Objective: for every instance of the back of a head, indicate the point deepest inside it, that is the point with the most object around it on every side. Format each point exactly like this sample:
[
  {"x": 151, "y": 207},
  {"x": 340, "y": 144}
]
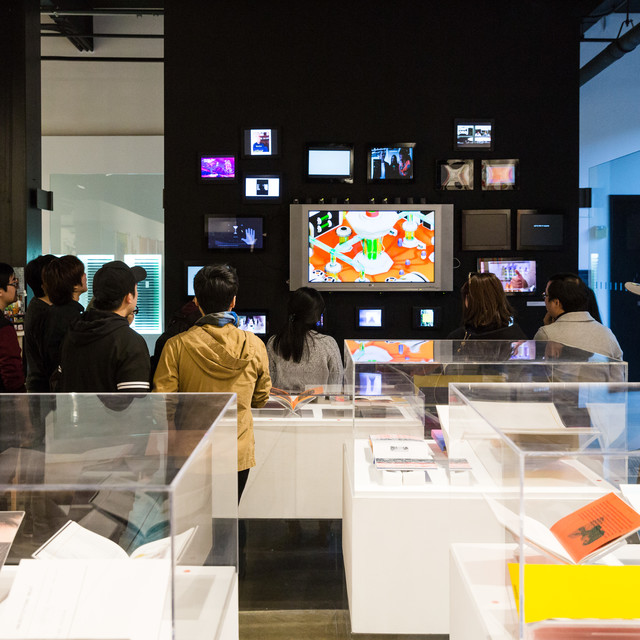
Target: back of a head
[
  {"x": 33, "y": 273},
  {"x": 215, "y": 286},
  {"x": 570, "y": 290},
  {"x": 60, "y": 277},
  {"x": 484, "y": 303},
  {"x": 112, "y": 282},
  {"x": 6, "y": 271}
]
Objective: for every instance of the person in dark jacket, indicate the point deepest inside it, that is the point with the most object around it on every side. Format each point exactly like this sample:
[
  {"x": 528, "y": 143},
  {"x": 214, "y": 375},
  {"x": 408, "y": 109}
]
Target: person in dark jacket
[
  {"x": 486, "y": 314},
  {"x": 11, "y": 371},
  {"x": 101, "y": 352}
]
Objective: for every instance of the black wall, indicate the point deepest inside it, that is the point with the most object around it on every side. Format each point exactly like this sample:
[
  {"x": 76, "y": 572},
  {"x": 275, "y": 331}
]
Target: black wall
[{"x": 360, "y": 73}]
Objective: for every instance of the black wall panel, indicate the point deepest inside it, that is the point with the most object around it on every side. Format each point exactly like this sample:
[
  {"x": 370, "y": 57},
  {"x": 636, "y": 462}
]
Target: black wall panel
[{"x": 360, "y": 73}]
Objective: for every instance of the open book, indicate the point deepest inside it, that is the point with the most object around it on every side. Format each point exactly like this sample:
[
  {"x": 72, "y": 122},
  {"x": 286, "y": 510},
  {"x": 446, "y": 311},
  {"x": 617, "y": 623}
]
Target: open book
[
  {"x": 401, "y": 452},
  {"x": 73, "y": 541},
  {"x": 580, "y": 537},
  {"x": 293, "y": 402}
]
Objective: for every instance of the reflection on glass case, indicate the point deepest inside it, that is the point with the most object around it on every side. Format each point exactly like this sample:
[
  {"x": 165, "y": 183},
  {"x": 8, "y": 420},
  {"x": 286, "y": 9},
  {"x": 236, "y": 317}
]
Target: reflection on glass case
[{"x": 122, "y": 513}]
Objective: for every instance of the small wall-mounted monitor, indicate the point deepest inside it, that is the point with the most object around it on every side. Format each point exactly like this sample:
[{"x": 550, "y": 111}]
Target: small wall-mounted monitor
[
  {"x": 369, "y": 384},
  {"x": 262, "y": 188},
  {"x": 486, "y": 229},
  {"x": 515, "y": 274},
  {"x": 500, "y": 175},
  {"x": 473, "y": 133},
  {"x": 330, "y": 162},
  {"x": 370, "y": 317},
  {"x": 390, "y": 162},
  {"x": 426, "y": 317},
  {"x": 191, "y": 274},
  {"x": 233, "y": 233},
  {"x": 254, "y": 321},
  {"x": 216, "y": 168},
  {"x": 260, "y": 142},
  {"x": 540, "y": 231}
]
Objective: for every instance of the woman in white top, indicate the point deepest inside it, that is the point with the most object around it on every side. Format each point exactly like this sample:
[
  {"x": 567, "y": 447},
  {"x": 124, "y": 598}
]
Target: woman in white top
[{"x": 299, "y": 356}]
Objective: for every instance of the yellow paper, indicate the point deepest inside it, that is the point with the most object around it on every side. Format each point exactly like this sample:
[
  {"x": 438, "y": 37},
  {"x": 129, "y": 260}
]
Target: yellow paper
[{"x": 578, "y": 591}]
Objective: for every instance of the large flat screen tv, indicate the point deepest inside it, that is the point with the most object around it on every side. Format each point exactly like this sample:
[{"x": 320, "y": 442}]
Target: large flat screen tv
[{"x": 372, "y": 247}]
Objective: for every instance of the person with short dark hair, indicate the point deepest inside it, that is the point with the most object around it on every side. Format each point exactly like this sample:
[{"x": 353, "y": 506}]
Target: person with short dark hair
[
  {"x": 486, "y": 313},
  {"x": 214, "y": 355},
  {"x": 11, "y": 370},
  {"x": 101, "y": 352},
  {"x": 299, "y": 356},
  {"x": 34, "y": 323},
  {"x": 566, "y": 298}
]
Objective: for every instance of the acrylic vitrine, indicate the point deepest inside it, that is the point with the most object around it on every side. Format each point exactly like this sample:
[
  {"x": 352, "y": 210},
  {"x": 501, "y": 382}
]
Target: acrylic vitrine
[
  {"x": 561, "y": 464},
  {"x": 118, "y": 516}
]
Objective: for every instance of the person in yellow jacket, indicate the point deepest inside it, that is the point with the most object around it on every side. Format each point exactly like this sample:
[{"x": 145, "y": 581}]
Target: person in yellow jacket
[{"x": 214, "y": 355}]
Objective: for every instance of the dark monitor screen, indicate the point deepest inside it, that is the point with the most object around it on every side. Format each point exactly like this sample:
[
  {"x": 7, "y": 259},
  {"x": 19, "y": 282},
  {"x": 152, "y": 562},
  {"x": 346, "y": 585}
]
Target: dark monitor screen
[
  {"x": 260, "y": 142},
  {"x": 515, "y": 274},
  {"x": 473, "y": 134},
  {"x": 217, "y": 168},
  {"x": 370, "y": 318},
  {"x": 390, "y": 163},
  {"x": 540, "y": 231},
  {"x": 330, "y": 162},
  {"x": 233, "y": 233},
  {"x": 486, "y": 229}
]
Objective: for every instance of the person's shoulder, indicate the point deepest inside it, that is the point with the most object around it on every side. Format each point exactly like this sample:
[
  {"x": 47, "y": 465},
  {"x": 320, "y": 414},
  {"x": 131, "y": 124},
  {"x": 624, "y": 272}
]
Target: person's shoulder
[{"x": 457, "y": 334}]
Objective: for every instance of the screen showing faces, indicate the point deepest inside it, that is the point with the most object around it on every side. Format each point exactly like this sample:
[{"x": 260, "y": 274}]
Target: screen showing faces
[
  {"x": 331, "y": 163},
  {"x": 472, "y": 134},
  {"x": 262, "y": 187},
  {"x": 516, "y": 276},
  {"x": 394, "y": 162},
  {"x": 253, "y": 321},
  {"x": 217, "y": 168},
  {"x": 234, "y": 233},
  {"x": 369, "y": 317},
  {"x": 260, "y": 142},
  {"x": 191, "y": 274},
  {"x": 371, "y": 246}
]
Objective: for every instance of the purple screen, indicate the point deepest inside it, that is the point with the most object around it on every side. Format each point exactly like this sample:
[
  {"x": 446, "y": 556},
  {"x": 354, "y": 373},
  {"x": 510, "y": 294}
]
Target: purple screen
[{"x": 217, "y": 167}]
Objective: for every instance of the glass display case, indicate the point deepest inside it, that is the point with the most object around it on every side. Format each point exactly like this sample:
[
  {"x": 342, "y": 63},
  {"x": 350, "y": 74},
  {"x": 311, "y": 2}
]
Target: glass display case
[
  {"x": 562, "y": 461},
  {"x": 118, "y": 516}
]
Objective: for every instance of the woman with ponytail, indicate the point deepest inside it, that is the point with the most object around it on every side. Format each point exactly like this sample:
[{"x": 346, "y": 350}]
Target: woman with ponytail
[{"x": 299, "y": 356}]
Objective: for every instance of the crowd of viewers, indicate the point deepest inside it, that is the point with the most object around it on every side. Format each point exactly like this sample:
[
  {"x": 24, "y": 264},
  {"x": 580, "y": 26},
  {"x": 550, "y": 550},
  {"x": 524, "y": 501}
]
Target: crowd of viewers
[{"x": 70, "y": 349}]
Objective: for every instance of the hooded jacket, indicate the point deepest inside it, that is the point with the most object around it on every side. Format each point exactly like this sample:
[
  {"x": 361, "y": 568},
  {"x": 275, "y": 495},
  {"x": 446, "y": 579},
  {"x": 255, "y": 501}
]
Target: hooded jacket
[
  {"x": 102, "y": 353},
  {"x": 209, "y": 358}
]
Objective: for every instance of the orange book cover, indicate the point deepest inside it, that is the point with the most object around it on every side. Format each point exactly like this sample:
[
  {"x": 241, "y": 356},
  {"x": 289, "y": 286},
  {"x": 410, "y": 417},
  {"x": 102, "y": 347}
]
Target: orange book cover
[
  {"x": 595, "y": 525},
  {"x": 292, "y": 402}
]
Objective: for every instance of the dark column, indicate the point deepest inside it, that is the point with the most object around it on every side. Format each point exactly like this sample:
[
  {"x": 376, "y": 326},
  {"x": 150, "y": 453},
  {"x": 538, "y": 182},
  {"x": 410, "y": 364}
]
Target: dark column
[{"x": 20, "y": 131}]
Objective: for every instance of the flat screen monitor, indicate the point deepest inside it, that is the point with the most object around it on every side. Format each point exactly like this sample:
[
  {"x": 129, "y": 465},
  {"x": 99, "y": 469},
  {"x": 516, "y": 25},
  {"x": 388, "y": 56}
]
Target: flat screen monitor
[
  {"x": 473, "y": 133},
  {"x": 486, "y": 229},
  {"x": 191, "y": 274},
  {"x": 215, "y": 168},
  {"x": 254, "y": 321},
  {"x": 370, "y": 317},
  {"x": 426, "y": 317},
  {"x": 260, "y": 142},
  {"x": 515, "y": 274},
  {"x": 233, "y": 233},
  {"x": 499, "y": 175},
  {"x": 330, "y": 162},
  {"x": 262, "y": 188},
  {"x": 390, "y": 162},
  {"x": 369, "y": 384},
  {"x": 540, "y": 231},
  {"x": 371, "y": 247}
]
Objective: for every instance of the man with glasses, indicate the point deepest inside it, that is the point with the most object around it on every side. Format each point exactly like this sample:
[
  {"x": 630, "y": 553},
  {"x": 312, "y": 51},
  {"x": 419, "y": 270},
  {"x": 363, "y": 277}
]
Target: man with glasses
[
  {"x": 101, "y": 352},
  {"x": 11, "y": 370}
]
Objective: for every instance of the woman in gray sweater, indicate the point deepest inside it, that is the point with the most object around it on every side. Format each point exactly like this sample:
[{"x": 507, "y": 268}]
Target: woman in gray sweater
[{"x": 299, "y": 356}]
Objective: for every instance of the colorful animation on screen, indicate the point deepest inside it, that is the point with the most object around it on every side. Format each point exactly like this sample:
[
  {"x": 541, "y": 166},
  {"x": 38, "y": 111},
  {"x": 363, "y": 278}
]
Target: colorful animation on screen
[
  {"x": 217, "y": 167},
  {"x": 371, "y": 246}
]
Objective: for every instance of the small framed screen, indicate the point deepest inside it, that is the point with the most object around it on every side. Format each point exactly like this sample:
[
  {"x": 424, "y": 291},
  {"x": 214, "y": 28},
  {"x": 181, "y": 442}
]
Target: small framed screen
[
  {"x": 370, "y": 317},
  {"x": 486, "y": 229},
  {"x": 390, "y": 162},
  {"x": 539, "y": 231},
  {"x": 515, "y": 274},
  {"x": 262, "y": 188},
  {"x": 260, "y": 142},
  {"x": 233, "y": 233},
  {"x": 500, "y": 175},
  {"x": 254, "y": 321},
  {"x": 191, "y": 274},
  {"x": 330, "y": 162},
  {"x": 369, "y": 384},
  {"x": 473, "y": 134},
  {"x": 426, "y": 317},
  {"x": 216, "y": 168}
]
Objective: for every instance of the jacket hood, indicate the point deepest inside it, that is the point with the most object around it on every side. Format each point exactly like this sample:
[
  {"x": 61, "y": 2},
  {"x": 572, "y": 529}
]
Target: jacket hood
[
  {"x": 94, "y": 325},
  {"x": 220, "y": 352}
]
